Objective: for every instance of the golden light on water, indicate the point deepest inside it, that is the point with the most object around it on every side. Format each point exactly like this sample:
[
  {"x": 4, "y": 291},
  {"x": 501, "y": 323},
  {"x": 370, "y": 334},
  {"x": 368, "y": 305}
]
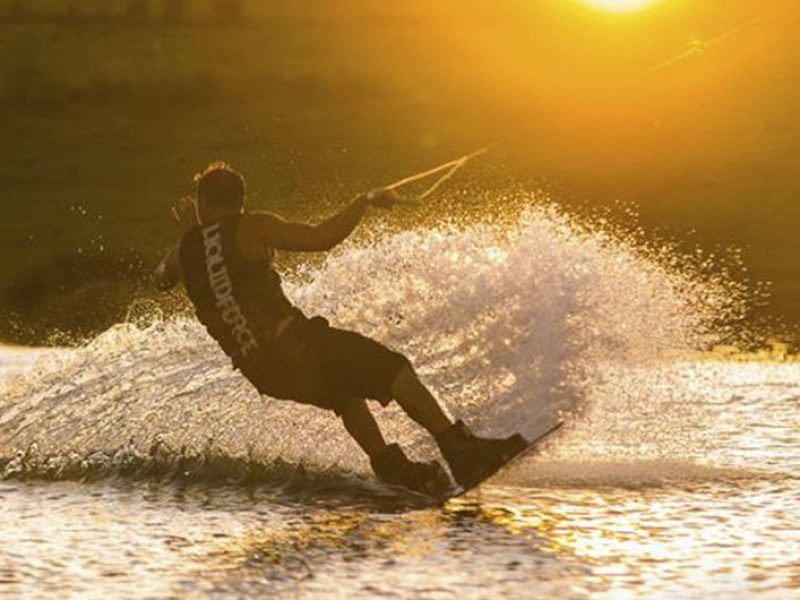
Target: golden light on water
[{"x": 619, "y": 6}]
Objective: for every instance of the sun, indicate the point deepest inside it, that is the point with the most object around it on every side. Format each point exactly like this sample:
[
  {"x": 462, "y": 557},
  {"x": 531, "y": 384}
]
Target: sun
[{"x": 620, "y": 6}]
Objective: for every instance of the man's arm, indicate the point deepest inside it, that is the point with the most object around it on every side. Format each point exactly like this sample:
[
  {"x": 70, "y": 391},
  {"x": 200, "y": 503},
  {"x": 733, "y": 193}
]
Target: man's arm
[
  {"x": 258, "y": 231},
  {"x": 168, "y": 272}
]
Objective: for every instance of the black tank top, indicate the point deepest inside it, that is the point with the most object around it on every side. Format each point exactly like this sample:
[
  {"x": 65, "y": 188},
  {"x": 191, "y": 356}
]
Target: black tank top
[{"x": 240, "y": 301}]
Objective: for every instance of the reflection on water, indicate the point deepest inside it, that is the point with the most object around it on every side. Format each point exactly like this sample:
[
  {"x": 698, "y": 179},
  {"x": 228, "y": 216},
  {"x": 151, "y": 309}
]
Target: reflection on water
[
  {"x": 709, "y": 539},
  {"x": 129, "y": 540},
  {"x": 715, "y": 540}
]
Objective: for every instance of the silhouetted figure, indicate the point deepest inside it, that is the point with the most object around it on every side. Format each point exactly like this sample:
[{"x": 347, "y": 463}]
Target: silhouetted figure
[{"x": 225, "y": 260}]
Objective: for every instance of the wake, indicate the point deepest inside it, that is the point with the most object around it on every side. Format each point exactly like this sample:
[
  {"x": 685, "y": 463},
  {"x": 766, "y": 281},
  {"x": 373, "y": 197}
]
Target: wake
[
  {"x": 507, "y": 323},
  {"x": 632, "y": 475}
]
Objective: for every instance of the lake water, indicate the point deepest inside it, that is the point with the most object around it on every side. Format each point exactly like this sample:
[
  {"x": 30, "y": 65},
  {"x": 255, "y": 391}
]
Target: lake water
[{"x": 140, "y": 465}]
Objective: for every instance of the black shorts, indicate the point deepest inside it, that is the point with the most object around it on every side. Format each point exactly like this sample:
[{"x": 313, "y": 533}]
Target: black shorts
[{"x": 314, "y": 363}]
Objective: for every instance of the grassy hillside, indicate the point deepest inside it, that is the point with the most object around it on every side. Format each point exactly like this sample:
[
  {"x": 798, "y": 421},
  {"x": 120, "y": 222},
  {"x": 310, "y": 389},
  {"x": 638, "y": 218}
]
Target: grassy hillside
[{"x": 109, "y": 107}]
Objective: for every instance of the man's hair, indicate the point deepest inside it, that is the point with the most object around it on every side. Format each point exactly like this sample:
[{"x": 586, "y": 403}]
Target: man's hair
[{"x": 221, "y": 186}]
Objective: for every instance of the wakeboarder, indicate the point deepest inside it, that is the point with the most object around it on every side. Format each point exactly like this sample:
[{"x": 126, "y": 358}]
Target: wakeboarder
[{"x": 225, "y": 259}]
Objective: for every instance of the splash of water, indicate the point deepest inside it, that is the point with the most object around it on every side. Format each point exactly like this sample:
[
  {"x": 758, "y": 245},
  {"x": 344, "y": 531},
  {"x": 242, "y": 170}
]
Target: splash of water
[{"x": 506, "y": 323}]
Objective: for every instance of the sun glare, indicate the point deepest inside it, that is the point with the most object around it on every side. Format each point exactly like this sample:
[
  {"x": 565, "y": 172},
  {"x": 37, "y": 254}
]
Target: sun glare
[{"x": 620, "y": 6}]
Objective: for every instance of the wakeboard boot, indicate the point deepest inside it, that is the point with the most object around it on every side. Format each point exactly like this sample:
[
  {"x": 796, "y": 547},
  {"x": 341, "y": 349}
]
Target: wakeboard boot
[
  {"x": 472, "y": 458},
  {"x": 392, "y": 466}
]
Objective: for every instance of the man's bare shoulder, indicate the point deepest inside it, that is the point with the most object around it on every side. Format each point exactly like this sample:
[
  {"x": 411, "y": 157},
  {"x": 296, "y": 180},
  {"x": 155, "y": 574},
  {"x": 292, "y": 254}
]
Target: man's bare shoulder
[
  {"x": 257, "y": 232},
  {"x": 258, "y": 224},
  {"x": 261, "y": 216}
]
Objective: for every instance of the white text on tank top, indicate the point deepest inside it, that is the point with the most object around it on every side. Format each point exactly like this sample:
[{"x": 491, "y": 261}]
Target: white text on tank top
[{"x": 222, "y": 287}]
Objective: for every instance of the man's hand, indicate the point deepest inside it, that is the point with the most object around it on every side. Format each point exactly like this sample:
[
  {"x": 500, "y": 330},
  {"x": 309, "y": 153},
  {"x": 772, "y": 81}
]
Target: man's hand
[
  {"x": 184, "y": 213},
  {"x": 168, "y": 273},
  {"x": 382, "y": 198}
]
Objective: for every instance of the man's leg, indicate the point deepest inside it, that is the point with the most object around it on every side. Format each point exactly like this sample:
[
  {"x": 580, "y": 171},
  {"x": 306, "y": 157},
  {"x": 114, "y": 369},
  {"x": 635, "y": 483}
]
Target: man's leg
[
  {"x": 360, "y": 424},
  {"x": 389, "y": 462},
  {"x": 470, "y": 457},
  {"x": 368, "y": 368},
  {"x": 415, "y": 399}
]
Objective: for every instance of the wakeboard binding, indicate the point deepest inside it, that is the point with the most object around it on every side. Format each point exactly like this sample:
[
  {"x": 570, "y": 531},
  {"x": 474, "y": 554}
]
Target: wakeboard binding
[
  {"x": 472, "y": 458},
  {"x": 392, "y": 466}
]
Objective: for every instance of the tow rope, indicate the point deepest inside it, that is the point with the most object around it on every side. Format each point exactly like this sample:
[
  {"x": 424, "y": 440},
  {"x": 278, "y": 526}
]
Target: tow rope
[{"x": 448, "y": 169}]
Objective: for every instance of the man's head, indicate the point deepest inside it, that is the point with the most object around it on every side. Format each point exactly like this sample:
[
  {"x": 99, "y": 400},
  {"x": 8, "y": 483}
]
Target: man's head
[{"x": 220, "y": 191}]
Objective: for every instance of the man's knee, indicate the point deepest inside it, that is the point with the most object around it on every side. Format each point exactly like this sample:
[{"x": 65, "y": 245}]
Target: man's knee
[
  {"x": 348, "y": 407},
  {"x": 406, "y": 378}
]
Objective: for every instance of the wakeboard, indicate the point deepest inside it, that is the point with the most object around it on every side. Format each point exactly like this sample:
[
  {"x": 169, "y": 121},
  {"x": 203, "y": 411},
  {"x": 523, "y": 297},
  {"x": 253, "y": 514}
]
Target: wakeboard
[{"x": 524, "y": 449}]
